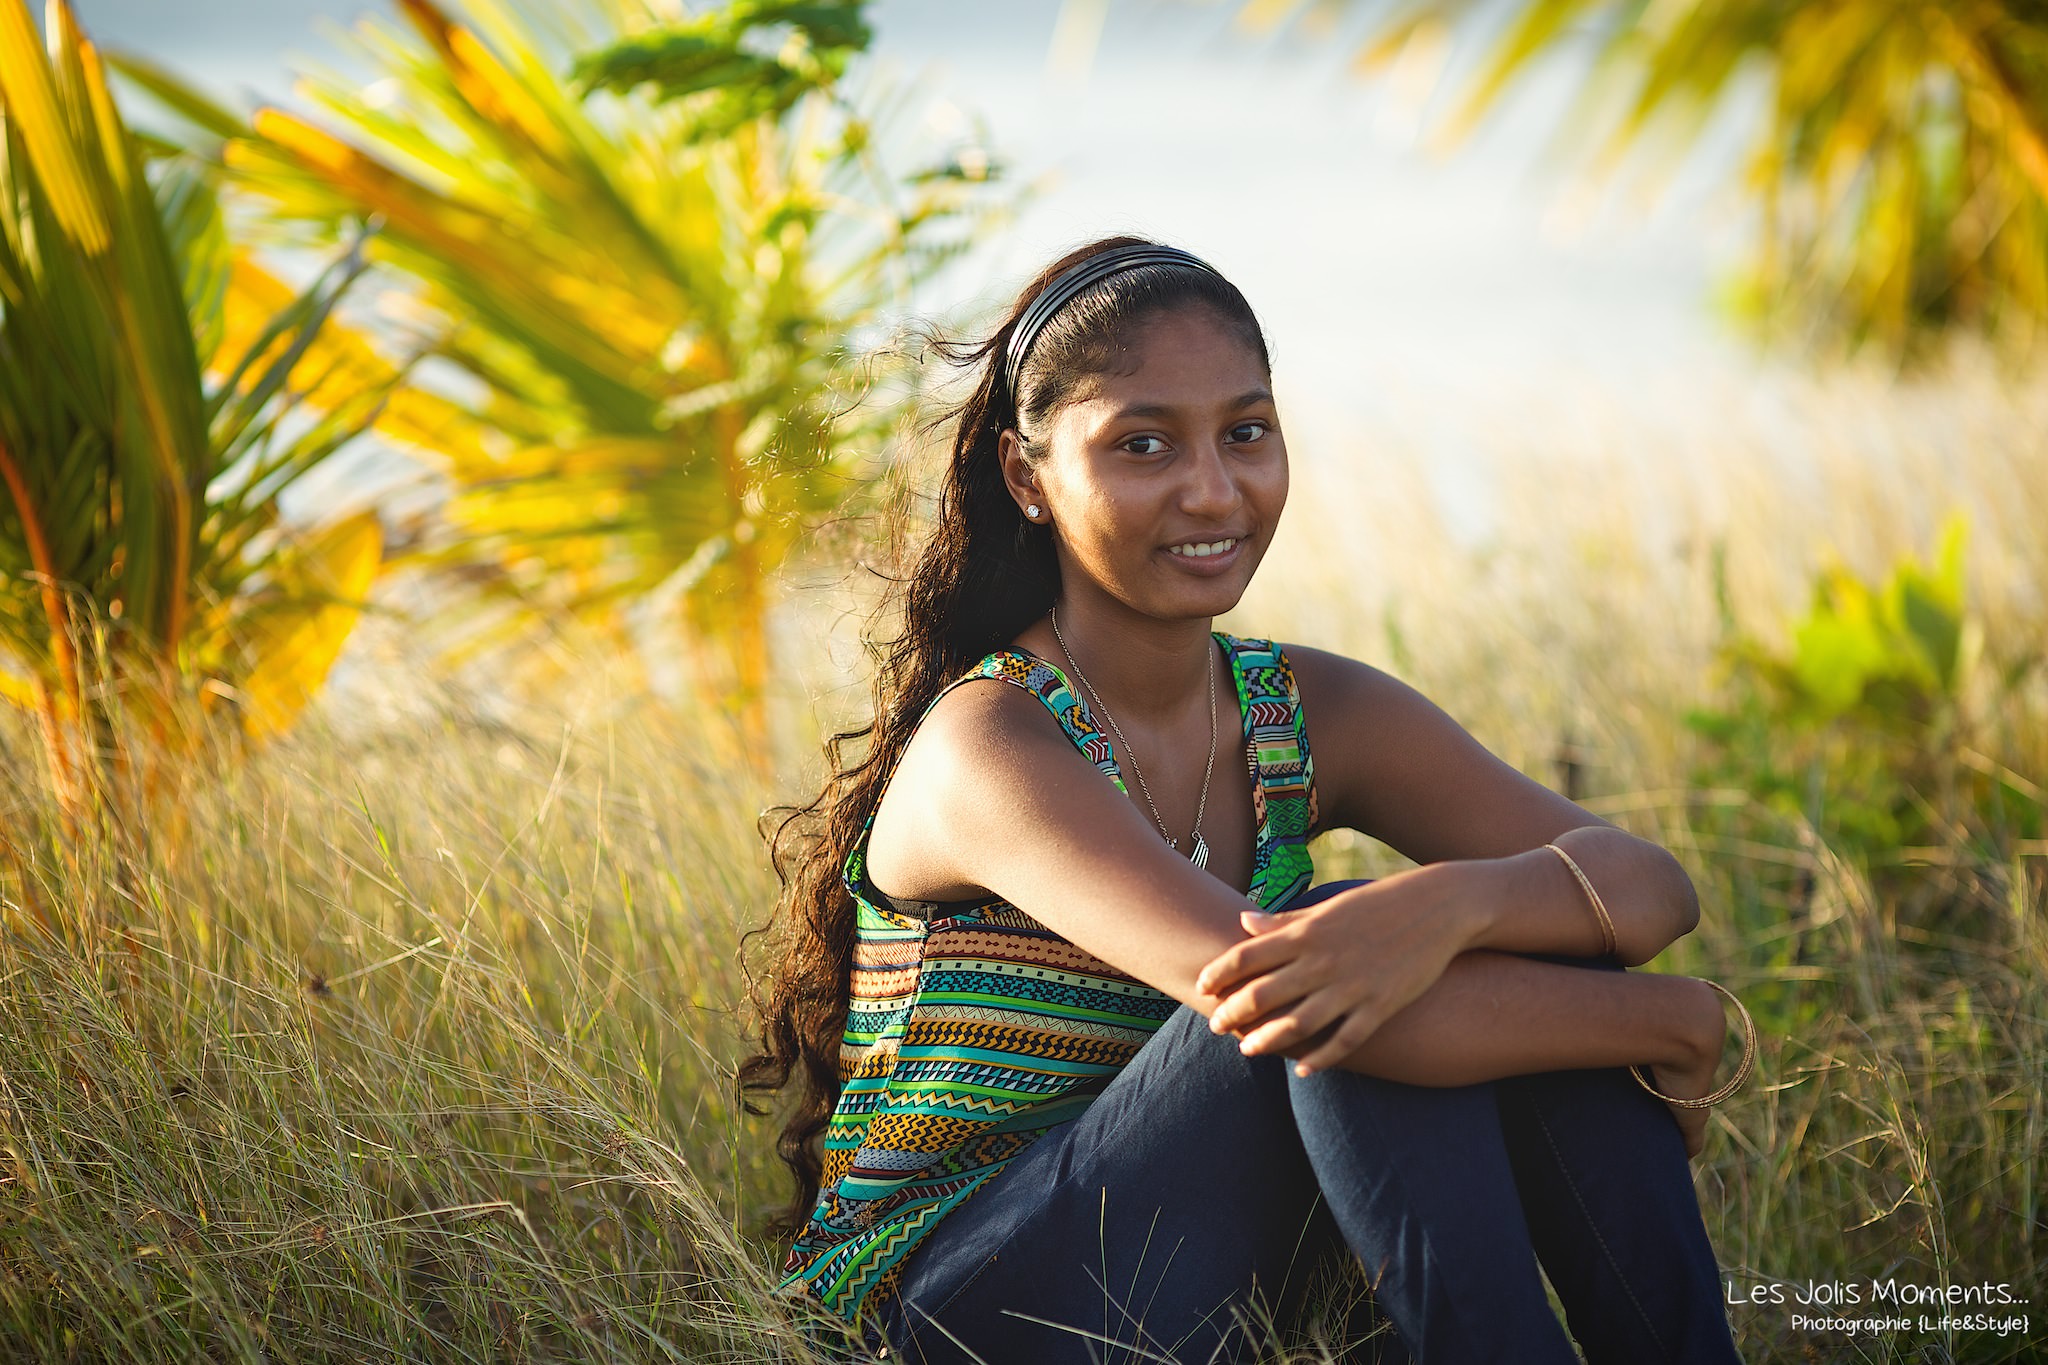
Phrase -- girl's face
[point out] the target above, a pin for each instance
(1163, 486)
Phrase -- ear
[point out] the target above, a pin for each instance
(1018, 478)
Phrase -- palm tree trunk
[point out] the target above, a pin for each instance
(63, 658)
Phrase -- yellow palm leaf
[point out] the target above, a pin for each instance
(345, 361)
(294, 647)
(28, 96)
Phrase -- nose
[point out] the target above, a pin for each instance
(1210, 490)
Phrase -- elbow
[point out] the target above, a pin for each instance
(1688, 917)
(1689, 922)
(1655, 933)
(1685, 910)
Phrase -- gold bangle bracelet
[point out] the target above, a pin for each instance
(1607, 938)
(1741, 1070)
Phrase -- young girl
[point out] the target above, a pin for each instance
(1077, 1100)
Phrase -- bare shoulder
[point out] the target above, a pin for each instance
(1393, 764)
(1322, 675)
(982, 739)
(980, 722)
(1341, 699)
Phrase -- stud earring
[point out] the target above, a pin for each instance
(1032, 511)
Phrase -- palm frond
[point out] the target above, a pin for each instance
(119, 458)
(1900, 166)
(649, 302)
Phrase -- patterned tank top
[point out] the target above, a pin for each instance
(972, 1030)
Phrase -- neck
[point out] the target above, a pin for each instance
(1148, 670)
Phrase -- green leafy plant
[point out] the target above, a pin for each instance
(717, 57)
(1861, 731)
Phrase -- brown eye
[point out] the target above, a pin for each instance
(1157, 445)
(1257, 430)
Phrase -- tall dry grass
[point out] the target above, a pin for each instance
(408, 1039)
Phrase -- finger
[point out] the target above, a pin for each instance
(1251, 1000)
(1244, 959)
(1304, 1046)
(1238, 962)
(1285, 1030)
(1350, 1035)
(1258, 921)
(1297, 1023)
(1247, 1004)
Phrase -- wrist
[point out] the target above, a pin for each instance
(1474, 891)
(1707, 1033)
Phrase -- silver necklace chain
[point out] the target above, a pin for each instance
(1199, 853)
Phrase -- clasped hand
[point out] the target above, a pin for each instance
(1315, 983)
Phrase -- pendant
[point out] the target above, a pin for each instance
(1200, 857)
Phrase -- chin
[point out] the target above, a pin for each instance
(1215, 601)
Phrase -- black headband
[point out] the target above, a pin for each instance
(1084, 275)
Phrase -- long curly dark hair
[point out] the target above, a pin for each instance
(981, 577)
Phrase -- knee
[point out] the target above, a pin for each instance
(1340, 1100)
(1213, 1069)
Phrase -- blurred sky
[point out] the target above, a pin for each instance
(1438, 297)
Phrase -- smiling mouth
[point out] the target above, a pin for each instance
(1203, 549)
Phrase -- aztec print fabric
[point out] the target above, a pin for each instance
(971, 1033)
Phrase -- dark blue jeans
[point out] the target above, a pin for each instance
(1202, 1180)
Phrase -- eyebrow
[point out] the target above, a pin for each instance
(1243, 400)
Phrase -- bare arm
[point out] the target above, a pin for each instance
(1312, 984)
(1391, 763)
(1497, 1014)
(1535, 905)
(991, 796)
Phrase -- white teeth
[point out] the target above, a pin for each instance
(1203, 549)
